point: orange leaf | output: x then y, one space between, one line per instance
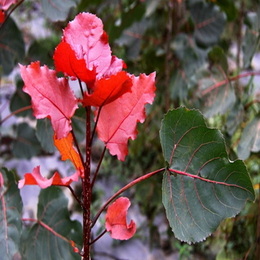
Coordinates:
67 151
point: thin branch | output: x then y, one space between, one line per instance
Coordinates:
9 13
16 112
140 179
80 85
219 84
97 170
76 197
97 238
167 55
95 126
251 103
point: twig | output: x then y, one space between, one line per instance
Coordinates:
98 237
142 178
97 170
220 83
76 197
16 112
9 13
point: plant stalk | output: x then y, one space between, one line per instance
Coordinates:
87 189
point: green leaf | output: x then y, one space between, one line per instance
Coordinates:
214 89
250 141
228 6
58 10
44 133
209 23
50 237
26 145
208 187
133 14
251 38
42 50
10 215
235 117
20 100
12 48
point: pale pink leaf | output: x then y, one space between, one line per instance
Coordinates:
87 38
51 96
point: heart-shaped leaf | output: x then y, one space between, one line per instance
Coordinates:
50 237
10 215
201 187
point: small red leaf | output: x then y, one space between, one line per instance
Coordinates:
118 120
51 96
66 61
107 90
86 37
35 178
116 220
75 249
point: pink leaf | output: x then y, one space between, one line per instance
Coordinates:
118 120
51 96
5 4
116 220
106 90
87 38
35 178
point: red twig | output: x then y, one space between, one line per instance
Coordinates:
97 170
16 112
219 84
140 179
98 237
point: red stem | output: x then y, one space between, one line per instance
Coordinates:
97 238
87 188
99 163
16 112
140 179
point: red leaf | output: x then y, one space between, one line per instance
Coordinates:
116 66
5 4
86 37
2 16
107 90
51 96
66 61
75 249
35 178
118 120
116 220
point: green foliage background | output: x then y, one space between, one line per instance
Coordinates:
202 52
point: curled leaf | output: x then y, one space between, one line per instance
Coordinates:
5 4
35 178
116 220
